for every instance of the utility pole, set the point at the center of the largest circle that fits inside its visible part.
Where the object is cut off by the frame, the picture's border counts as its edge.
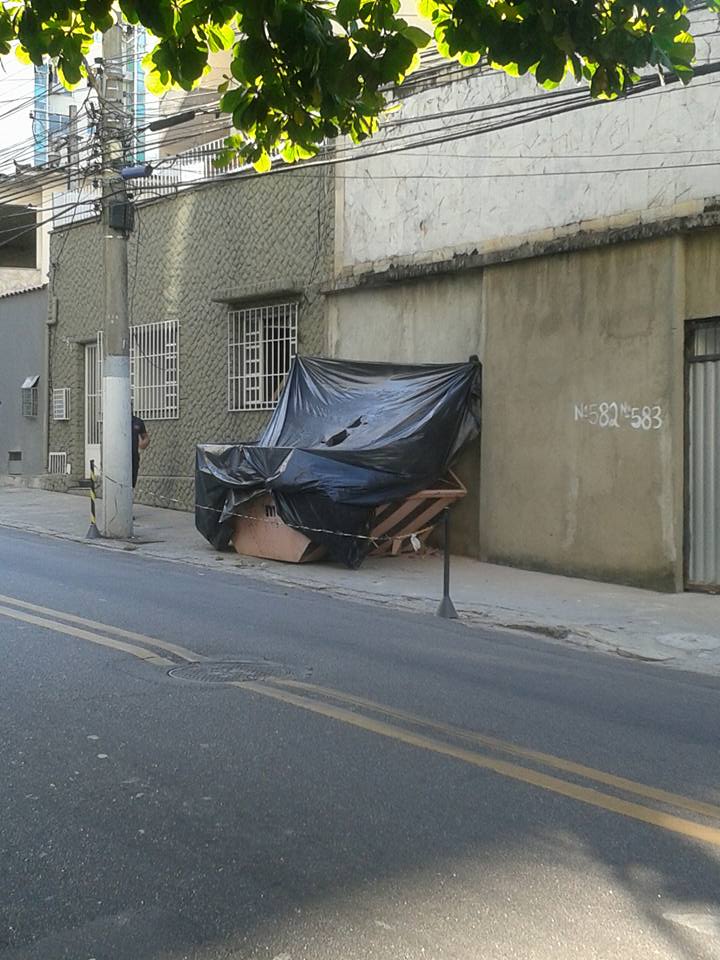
(117, 224)
(73, 150)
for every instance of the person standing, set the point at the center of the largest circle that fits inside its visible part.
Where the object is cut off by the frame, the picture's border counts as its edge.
(140, 441)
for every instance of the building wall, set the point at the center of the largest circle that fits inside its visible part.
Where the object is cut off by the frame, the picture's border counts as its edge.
(702, 271)
(559, 490)
(18, 278)
(597, 166)
(550, 488)
(23, 329)
(433, 321)
(506, 244)
(244, 240)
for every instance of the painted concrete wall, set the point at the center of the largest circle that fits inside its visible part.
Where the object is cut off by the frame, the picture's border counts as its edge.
(432, 321)
(18, 278)
(249, 240)
(567, 486)
(597, 166)
(23, 330)
(561, 482)
(702, 271)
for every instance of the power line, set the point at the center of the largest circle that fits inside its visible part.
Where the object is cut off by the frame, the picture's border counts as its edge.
(470, 130)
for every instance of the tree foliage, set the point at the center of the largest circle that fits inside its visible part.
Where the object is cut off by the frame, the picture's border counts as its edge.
(305, 70)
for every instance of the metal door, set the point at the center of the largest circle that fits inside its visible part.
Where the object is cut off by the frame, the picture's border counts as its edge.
(93, 407)
(704, 456)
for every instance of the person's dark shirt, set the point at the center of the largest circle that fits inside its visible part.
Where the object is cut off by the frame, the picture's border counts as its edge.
(138, 429)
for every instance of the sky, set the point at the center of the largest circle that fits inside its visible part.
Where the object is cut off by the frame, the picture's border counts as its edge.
(16, 93)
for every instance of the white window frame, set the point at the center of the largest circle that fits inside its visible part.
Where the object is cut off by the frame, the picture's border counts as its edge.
(29, 395)
(61, 403)
(57, 462)
(262, 342)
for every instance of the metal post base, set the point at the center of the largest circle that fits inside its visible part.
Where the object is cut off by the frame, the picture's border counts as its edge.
(93, 533)
(446, 610)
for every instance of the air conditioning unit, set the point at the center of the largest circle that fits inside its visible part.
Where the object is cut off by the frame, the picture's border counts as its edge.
(61, 403)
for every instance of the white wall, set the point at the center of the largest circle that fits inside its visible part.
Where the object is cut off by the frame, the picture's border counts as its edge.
(494, 190)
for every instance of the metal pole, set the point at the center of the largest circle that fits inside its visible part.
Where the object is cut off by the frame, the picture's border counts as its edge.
(447, 608)
(116, 223)
(93, 532)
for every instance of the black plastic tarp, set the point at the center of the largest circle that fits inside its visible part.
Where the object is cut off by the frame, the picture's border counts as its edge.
(345, 438)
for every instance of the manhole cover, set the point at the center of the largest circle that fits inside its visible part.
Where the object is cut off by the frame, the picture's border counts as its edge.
(230, 671)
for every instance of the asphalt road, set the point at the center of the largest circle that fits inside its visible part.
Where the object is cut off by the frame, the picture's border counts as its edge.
(374, 784)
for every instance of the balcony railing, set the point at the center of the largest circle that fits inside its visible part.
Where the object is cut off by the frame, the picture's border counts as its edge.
(173, 174)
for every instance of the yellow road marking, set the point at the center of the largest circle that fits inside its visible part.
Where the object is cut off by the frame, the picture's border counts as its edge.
(504, 746)
(179, 651)
(589, 795)
(505, 768)
(140, 652)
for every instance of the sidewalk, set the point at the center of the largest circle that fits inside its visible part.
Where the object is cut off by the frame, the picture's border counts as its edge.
(680, 630)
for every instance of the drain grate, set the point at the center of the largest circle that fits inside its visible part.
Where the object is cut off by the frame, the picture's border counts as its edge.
(230, 671)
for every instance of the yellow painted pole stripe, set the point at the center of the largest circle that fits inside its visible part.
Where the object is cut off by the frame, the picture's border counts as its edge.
(93, 515)
(504, 746)
(588, 795)
(179, 651)
(147, 655)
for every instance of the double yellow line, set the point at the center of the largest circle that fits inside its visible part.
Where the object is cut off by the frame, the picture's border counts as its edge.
(102, 634)
(432, 736)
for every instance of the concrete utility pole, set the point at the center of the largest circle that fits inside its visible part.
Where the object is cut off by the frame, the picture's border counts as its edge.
(117, 223)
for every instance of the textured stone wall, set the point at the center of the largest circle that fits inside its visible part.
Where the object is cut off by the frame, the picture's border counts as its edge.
(242, 239)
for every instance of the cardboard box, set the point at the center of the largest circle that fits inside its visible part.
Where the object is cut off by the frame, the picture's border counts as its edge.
(259, 532)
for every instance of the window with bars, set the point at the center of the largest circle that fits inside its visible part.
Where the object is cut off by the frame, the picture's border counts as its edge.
(61, 403)
(154, 370)
(57, 462)
(262, 342)
(29, 394)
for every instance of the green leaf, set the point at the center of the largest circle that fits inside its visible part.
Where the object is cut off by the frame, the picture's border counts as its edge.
(263, 162)
(599, 84)
(347, 10)
(157, 83)
(69, 74)
(551, 69)
(304, 70)
(192, 57)
(419, 38)
(468, 58)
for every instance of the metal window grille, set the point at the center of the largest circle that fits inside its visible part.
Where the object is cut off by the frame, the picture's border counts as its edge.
(29, 392)
(704, 455)
(262, 342)
(61, 403)
(93, 391)
(14, 456)
(57, 463)
(154, 370)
